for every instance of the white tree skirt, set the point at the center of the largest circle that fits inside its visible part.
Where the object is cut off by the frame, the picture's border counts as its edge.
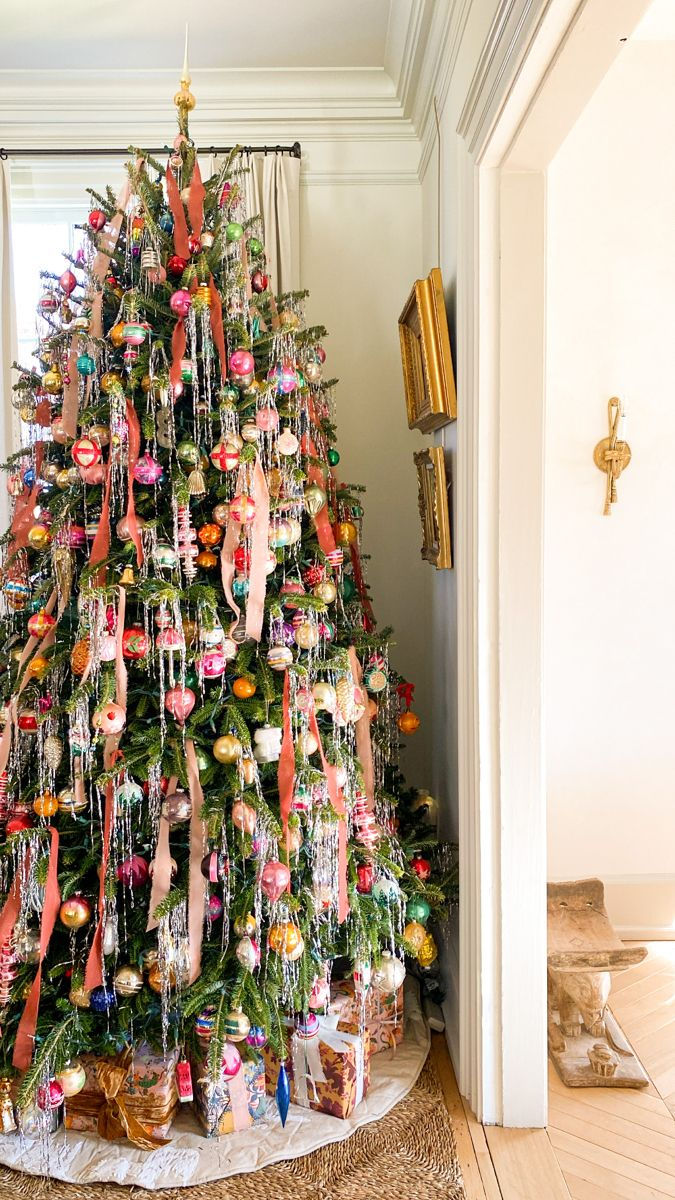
(192, 1158)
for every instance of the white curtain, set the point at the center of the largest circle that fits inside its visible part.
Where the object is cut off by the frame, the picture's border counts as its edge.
(8, 343)
(272, 188)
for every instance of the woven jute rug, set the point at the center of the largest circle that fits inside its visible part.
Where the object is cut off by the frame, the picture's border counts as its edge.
(408, 1155)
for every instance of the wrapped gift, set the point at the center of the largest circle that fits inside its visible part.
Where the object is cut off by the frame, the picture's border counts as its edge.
(132, 1095)
(229, 1104)
(381, 1015)
(328, 1070)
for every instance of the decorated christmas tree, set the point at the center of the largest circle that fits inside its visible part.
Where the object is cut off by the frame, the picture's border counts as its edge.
(201, 722)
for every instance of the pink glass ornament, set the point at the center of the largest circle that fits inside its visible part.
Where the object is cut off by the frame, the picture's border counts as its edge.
(170, 639)
(303, 699)
(180, 702)
(67, 282)
(292, 587)
(320, 994)
(92, 475)
(213, 664)
(109, 718)
(244, 817)
(50, 1095)
(45, 703)
(231, 1060)
(180, 302)
(215, 908)
(147, 469)
(134, 871)
(287, 443)
(225, 194)
(274, 879)
(242, 362)
(267, 419)
(107, 647)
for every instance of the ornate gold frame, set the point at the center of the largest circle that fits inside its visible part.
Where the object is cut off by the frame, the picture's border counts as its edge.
(433, 505)
(428, 377)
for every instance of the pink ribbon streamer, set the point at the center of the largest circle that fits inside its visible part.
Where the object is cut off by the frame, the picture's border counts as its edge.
(196, 201)
(25, 1034)
(364, 747)
(180, 229)
(255, 607)
(230, 543)
(286, 768)
(161, 867)
(133, 450)
(197, 882)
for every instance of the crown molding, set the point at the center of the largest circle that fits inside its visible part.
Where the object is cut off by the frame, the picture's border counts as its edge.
(443, 45)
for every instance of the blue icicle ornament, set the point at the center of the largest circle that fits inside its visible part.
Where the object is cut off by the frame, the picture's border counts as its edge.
(283, 1093)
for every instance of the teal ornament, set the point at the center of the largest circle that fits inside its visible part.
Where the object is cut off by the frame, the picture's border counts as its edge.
(348, 589)
(229, 394)
(165, 556)
(255, 328)
(283, 1093)
(386, 891)
(234, 232)
(240, 588)
(357, 511)
(333, 457)
(417, 909)
(85, 364)
(166, 222)
(254, 247)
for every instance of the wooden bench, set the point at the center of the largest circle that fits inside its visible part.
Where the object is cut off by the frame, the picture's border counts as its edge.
(585, 1042)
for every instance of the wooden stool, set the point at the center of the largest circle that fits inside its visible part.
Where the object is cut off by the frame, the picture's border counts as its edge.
(585, 1042)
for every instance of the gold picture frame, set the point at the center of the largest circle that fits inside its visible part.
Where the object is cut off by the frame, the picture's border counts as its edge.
(433, 506)
(428, 376)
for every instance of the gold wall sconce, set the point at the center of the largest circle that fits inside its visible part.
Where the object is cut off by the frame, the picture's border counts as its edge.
(612, 454)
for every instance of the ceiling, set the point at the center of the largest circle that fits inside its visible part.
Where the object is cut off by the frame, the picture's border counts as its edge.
(148, 34)
(658, 23)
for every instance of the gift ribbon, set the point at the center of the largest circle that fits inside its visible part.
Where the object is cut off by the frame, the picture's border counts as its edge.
(364, 747)
(307, 1065)
(25, 1034)
(197, 882)
(161, 867)
(115, 1119)
(255, 606)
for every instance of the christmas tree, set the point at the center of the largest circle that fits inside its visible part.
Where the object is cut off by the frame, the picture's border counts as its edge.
(201, 723)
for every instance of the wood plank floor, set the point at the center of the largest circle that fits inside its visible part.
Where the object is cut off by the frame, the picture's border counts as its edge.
(601, 1143)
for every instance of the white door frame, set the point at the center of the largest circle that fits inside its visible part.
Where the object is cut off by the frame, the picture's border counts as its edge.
(541, 62)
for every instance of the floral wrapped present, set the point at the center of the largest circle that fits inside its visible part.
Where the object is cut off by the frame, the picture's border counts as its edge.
(132, 1095)
(328, 1070)
(226, 1105)
(381, 1015)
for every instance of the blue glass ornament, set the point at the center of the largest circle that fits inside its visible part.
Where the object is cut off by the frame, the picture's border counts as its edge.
(86, 364)
(240, 587)
(166, 222)
(256, 1037)
(29, 476)
(283, 1093)
(101, 999)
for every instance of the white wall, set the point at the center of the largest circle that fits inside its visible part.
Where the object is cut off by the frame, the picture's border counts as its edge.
(610, 581)
(361, 250)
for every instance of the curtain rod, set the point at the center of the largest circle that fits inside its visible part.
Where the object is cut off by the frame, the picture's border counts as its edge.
(294, 151)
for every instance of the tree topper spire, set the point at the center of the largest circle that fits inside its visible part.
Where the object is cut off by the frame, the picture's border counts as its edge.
(184, 100)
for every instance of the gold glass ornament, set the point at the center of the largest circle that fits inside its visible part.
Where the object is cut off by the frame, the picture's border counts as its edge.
(128, 980)
(62, 480)
(116, 335)
(324, 696)
(46, 804)
(207, 560)
(306, 744)
(326, 591)
(245, 926)
(52, 381)
(285, 938)
(53, 748)
(249, 771)
(80, 656)
(27, 946)
(315, 499)
(75, 912)
(415, 934)
(237, 1025)
(110, 381)
(307, 635)
(428, 952)
(72, 1077)
(345, 533)
(38, 537)
(201, 297)
(68, 801)
(37, 666)
(227, 749)
(27, 411)
(79, 996)
(155, 978)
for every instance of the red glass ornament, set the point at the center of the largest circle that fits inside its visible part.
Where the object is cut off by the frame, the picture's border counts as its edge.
(50, 1095)
(259, 282)
(194, 244)
(421, 866)
(176, 265)
(67, 282)
(242, 559)
(27, 721)
(133, 872)
(364, 877)
(86, 452)
(19, 822)
(274, 879)
(96, 219)
(134, 642)
(40, 624)
(163, 784)
(180, 702)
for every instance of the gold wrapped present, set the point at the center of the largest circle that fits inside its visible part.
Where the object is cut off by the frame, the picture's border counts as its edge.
(132, 1095)
(381, 1015)
(328, 1070)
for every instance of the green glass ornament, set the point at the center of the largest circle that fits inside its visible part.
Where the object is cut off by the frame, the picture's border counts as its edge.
(254, 247)
(348, 589)
(187, 453)
(203, 760)
(357, 511)
(234, 232)
(333, 457)
(417, 909)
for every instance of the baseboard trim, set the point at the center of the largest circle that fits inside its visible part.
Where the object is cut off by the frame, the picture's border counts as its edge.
(641, 907)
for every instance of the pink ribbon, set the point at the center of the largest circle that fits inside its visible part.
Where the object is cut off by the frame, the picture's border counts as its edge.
(197, 882)
(230, 543)
(338, 802)
(196, 201)
(25, 1034)
(238, 1092)
(255, 607)
(161, 866)
(286, 768)
(180, 229)
(133, 450)
(364, 747)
